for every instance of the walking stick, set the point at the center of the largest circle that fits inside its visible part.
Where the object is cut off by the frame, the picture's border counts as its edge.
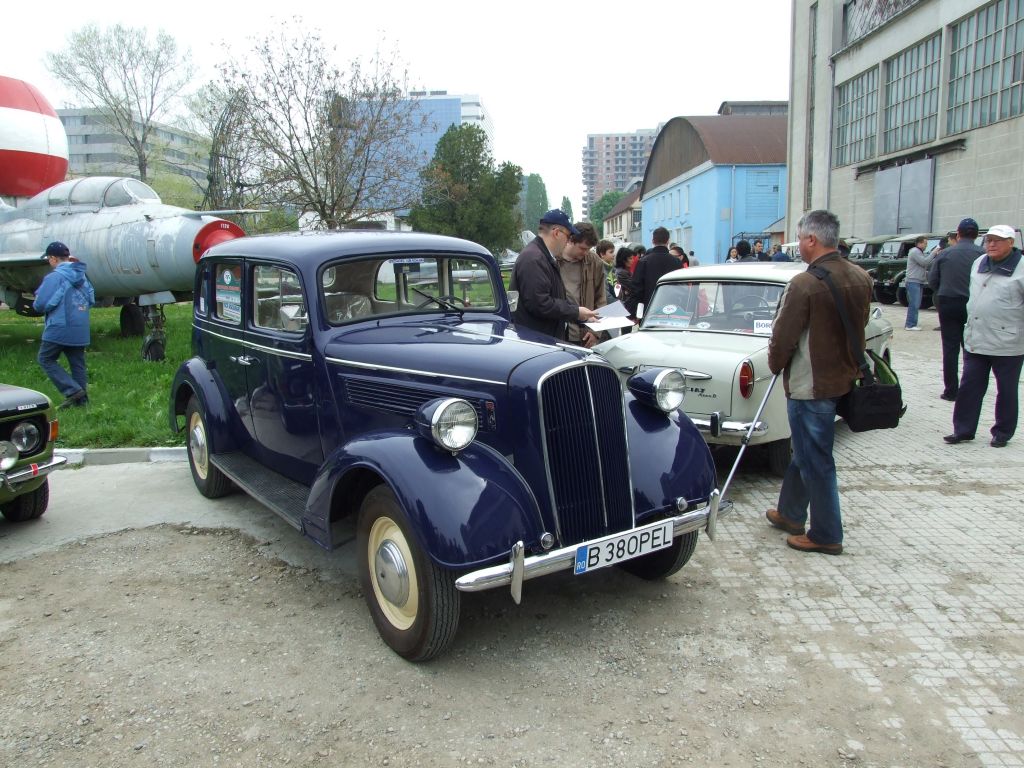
(746, 437)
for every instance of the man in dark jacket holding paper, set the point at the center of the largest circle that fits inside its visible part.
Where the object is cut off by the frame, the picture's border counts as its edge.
(810, 347)
(543, 305)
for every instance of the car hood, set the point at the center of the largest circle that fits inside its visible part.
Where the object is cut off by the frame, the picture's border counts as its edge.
(483, 350)
(696, 351)
(15, 400)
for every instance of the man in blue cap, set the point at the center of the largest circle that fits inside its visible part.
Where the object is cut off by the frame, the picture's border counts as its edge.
(950, 279)
(65, 296)
(543, 303)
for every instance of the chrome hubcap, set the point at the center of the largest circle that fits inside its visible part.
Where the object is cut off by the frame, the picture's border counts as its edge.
(197, 443)
(392, 573)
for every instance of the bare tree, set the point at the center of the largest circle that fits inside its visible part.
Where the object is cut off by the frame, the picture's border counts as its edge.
(338, 144)
(132, 80)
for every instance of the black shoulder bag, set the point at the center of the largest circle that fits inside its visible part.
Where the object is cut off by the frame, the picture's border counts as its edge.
(875, 401)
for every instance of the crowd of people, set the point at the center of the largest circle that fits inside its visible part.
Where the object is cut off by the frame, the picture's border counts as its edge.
(979, 295)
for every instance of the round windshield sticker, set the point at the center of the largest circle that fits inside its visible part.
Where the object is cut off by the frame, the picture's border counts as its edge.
(669, 309)
(704, 325)
(226, 278)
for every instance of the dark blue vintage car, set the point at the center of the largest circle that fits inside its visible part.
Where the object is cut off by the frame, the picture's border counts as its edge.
(374, 382)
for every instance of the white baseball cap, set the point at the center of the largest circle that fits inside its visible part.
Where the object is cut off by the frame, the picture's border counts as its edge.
(1002, 231)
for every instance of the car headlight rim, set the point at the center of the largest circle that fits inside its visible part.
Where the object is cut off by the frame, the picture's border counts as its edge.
(454, 424)
(26, 437)
(669, 389)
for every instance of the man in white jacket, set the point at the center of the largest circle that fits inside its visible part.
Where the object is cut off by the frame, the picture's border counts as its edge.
(993, 339)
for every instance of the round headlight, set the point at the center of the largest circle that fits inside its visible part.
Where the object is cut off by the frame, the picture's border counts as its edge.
(669, 388)
(452, 423)
(25, 437)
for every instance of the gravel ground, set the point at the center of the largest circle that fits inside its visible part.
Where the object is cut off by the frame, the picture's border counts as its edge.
(174, 644)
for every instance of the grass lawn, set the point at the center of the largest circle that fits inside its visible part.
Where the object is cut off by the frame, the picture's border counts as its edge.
(127, 396)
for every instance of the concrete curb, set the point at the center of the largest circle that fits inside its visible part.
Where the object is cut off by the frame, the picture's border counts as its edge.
(81, 457)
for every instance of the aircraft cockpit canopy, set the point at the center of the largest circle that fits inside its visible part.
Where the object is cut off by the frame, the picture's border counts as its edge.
(107, 191)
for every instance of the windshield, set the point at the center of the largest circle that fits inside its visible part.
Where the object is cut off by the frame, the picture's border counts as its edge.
(706, 305)
(356, 289)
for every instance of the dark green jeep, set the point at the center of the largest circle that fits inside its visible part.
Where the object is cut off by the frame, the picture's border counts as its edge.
(28, 430)
(890, 274)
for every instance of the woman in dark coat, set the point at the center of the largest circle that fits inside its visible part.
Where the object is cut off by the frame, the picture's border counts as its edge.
(625, 259)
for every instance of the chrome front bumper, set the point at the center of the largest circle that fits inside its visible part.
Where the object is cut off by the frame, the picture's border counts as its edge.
(715, 426)
(520, 568)
(31, 472)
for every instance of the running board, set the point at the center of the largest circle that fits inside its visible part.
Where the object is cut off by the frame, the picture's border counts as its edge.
(281, 494)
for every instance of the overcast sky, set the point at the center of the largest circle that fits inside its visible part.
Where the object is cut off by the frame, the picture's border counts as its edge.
(549, 73)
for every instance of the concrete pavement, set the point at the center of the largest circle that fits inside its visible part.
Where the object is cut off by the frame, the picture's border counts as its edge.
(929, 585)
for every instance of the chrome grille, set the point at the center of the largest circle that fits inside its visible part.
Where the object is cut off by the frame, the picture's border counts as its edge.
(587, 460)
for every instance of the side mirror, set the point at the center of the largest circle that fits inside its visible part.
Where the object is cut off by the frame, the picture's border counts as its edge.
(639, 311)
(513, 300)
(876, 313)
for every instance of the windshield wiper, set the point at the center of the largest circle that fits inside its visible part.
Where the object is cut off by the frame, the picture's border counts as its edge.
(441, 301)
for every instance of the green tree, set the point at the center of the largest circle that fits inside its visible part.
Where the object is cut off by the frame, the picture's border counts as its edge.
(536, 201)
(176, 189)
(602, 208)
(132, 80)
(567, 207)
(465, 195)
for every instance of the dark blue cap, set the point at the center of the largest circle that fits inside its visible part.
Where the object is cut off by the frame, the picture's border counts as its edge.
(58, 249)
(967, 226)
(557, 217)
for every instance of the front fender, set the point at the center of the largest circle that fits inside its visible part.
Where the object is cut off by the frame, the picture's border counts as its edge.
(466, 509)
(194, 377)
(668, 459)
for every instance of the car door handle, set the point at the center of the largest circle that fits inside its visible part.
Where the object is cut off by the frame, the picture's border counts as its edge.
(243, 359)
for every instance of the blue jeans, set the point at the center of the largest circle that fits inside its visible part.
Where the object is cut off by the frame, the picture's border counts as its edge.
(914, 292)
(68, 385)
(810, 480)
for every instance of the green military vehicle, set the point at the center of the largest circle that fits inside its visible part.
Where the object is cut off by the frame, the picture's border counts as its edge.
(869, 253)
(891, 272)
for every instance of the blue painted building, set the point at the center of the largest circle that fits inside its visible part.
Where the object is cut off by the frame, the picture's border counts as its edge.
(715, 178)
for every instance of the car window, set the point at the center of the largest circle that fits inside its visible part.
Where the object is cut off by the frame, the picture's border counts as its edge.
(201, 308)
(279, 304)
(706, 305)
(228, 296)
(408, 285)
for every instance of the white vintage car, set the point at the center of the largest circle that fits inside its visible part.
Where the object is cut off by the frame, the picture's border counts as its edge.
(713, 323)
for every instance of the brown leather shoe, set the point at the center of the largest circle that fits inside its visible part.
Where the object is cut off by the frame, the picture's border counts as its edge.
(804, 544)
(778, 521)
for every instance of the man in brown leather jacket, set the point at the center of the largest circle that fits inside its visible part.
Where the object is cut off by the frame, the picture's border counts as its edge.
(809, 345)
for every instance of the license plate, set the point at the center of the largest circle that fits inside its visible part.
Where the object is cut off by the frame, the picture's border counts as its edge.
(623, 546)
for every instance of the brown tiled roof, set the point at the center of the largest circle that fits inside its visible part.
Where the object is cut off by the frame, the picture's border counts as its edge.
(623, 204)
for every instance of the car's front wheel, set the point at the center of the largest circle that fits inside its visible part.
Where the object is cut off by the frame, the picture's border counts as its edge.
(29, 505)
(413, 602)
(779, 454)
(210, 481)
(664, 562)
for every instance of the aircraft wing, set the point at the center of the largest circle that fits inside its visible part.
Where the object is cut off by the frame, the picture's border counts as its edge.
(14, 259)
(197, 214)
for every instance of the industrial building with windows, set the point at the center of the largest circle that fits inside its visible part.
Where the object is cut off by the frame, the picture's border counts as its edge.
(907, 114)
(96, 149)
